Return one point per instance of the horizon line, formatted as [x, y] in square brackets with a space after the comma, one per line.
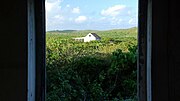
[89, 29]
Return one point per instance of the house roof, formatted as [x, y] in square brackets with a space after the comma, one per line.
[95, 35]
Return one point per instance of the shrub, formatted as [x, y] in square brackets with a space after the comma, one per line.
[91, 77]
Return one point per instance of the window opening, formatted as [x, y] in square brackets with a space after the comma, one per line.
[103, 67]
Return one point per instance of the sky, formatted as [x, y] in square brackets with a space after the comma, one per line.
[91, 14]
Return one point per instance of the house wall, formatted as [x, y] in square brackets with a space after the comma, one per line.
[79, 39]
[88, 39]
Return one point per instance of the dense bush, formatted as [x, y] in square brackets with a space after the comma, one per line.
[94, 71]
[90, 76]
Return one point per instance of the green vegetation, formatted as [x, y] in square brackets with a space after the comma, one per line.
[91, 71]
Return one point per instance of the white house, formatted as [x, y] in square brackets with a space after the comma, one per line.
[89, 37]
[79, 39]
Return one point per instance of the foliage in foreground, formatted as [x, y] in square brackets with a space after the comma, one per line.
[95, 71]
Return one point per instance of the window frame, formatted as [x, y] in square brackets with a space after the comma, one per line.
[144, 57]
[36, 16]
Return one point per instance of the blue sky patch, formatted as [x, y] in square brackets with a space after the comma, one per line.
[91, 14]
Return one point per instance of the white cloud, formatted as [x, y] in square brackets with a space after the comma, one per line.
[80, 19]
[51, 4]
[102, 18]
[129, 12]
[67, 5]
[132, 21]
[59, 17]
[116, 21]
[53, 12]
[113, 11]
[112, 20]
[76, 10]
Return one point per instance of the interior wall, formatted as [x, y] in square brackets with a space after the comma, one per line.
[13, 50]
[166, 51]
[174, 50]
[159, 50]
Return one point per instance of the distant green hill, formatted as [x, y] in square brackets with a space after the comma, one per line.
[62, 31]
[114, 33]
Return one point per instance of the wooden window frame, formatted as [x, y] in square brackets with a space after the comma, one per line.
[144, 77]
[144, 50]
[36, 51]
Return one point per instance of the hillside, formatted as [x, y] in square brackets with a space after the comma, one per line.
[114, 33]
[102, 69]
